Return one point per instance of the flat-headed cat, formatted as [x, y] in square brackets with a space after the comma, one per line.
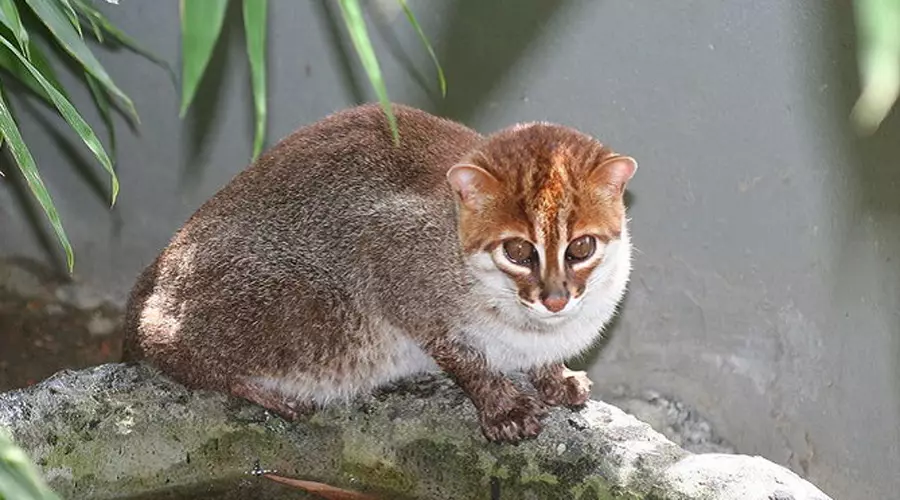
[339, 262]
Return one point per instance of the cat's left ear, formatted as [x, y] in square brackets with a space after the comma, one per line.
[613, 174]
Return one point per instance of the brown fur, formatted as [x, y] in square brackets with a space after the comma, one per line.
[284, 272]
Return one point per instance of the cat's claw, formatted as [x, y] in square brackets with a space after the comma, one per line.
[513, 421]
[569, 388]
[578, 387]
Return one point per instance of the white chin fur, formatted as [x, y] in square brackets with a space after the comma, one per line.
[525, 335]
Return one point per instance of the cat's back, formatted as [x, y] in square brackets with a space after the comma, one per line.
[345, 162]
[314, 209]
[330, 196]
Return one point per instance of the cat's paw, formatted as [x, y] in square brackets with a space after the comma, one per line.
[573, 388]
[512, 420]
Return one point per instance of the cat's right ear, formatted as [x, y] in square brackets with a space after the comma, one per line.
[613, 174]
[474, 185]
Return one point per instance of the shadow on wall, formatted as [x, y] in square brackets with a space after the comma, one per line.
[330, 16]
[482, 42]
[872, 181]
[477, 45]
[202, 119]
[32, 212]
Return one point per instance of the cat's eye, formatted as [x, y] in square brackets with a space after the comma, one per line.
[519, 251]
[581, 249]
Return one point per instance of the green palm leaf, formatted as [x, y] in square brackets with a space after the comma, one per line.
[201, 24]
[356, 25]
[415, 23]
[73, 17]
[26, 164]
[255, 28]
[13, 65]
[69, 113]
[54, 17]
[19, 478]
[104, 25]
[9, 16]
[878, 33]
[95, 27]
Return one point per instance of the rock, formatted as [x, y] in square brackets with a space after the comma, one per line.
[54, 309]
[20, 281]
[673, 419]
[101, 326]
[32, 280]
[79, 296]
[125, 431]
[733, 477]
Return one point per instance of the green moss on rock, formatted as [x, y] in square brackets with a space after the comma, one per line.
[124, 431]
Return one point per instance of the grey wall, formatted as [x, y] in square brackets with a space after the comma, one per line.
[766, 291]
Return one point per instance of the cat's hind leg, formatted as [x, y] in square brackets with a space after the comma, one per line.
[271, 399]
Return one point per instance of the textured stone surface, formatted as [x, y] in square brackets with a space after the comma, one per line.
[124, 431]
[675, 420]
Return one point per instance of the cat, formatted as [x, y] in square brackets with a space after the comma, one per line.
[340, 261]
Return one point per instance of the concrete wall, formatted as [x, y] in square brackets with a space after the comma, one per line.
[766, 292]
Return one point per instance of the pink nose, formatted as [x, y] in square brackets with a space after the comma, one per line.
[555, 302]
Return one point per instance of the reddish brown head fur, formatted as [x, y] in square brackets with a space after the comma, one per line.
[548, 186]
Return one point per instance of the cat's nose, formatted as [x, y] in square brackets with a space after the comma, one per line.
[555, 301]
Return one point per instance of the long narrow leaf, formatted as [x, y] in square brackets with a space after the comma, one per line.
[255, 28]
[73, 17]
[95, 27]
[878, 33]
[53, 17]
[29, 170]
[201, 24]
[356, 25]
[321, 489]
[13, 65]
[9, 16]
[102, 102]
[42, 63]
[96, 17]
[19, 478]
[415, 24]
[68, 112]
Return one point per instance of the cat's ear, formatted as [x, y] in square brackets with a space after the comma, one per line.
[613, 174]
[474, 185]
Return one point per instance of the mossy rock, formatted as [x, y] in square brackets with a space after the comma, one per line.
[125, 431]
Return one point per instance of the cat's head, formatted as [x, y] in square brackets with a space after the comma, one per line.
[542, 217]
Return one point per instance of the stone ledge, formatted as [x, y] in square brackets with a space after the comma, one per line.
[124, 431]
